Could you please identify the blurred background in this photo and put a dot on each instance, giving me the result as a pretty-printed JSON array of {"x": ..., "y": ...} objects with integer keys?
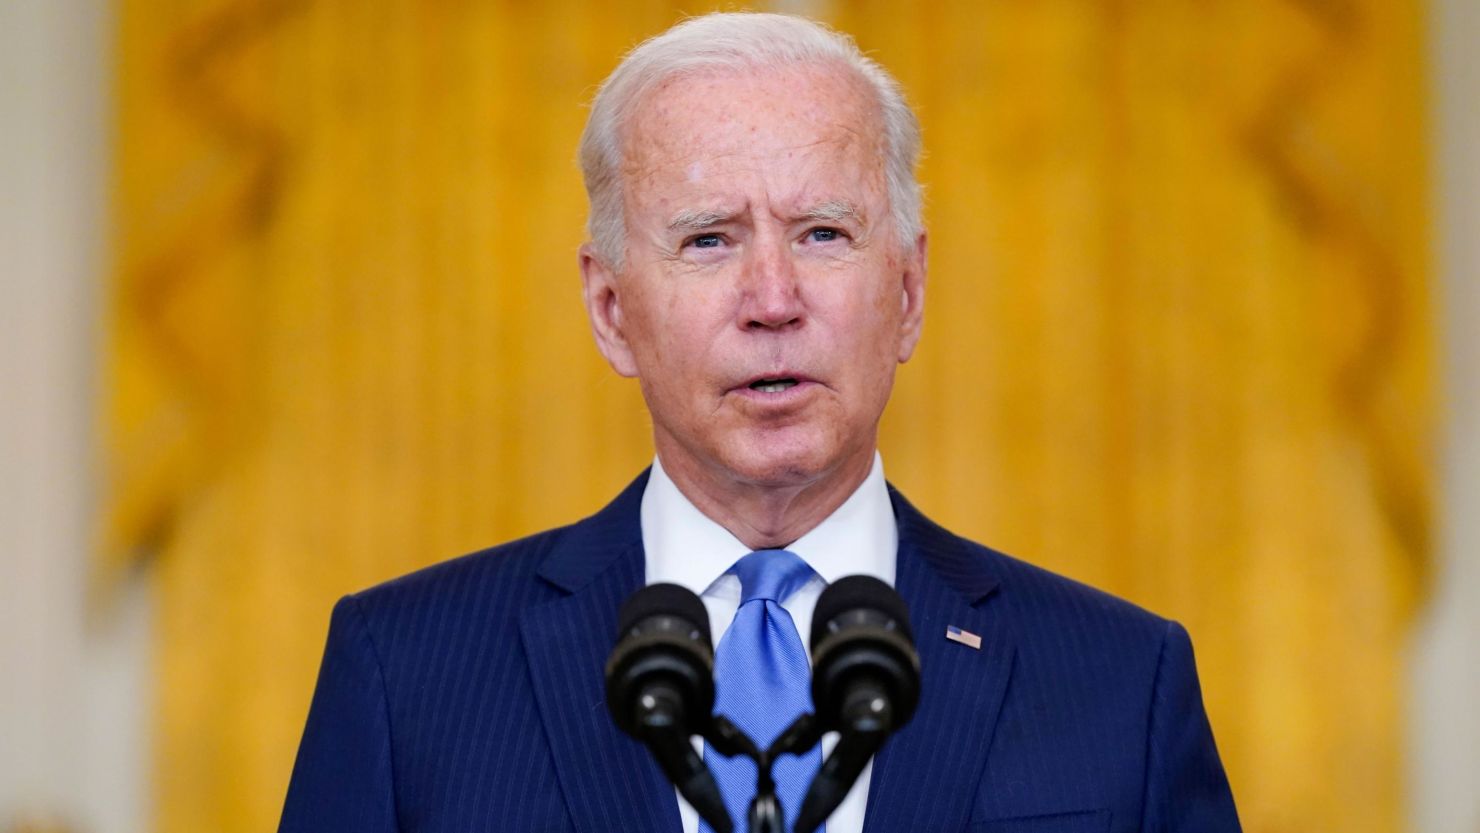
[{"x": 289, "y": 294}]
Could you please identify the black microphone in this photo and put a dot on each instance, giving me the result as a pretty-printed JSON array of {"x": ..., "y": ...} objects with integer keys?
[
  {"x": 865, "y": 683},
  {"x": 660, "y": 688}
]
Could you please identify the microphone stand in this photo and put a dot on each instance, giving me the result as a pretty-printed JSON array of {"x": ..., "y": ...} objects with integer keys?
[
  {"x": 729, "y": 740},
  {"x": 766, "y": 814},
  {"x": 867, "y": 720}
]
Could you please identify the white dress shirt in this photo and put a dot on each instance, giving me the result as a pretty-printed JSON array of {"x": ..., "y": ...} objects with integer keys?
[{"x": 685, "y": 547}]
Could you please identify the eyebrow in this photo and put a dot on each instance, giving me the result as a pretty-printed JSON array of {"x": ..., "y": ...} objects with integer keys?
[
  {"x": 695, "y": 219},
  {"x": 833, "y": 210}
]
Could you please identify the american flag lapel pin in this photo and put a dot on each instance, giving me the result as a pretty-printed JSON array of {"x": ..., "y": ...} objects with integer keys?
[{"x": 966, "y": 638}]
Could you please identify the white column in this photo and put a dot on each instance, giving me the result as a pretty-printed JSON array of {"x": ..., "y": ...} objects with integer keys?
[
  {"x": 1445, "y": 702},
  {"x": 73, "y": 694}
]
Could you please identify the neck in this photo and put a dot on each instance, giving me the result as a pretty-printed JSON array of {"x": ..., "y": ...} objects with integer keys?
[{"x": 767, "y": 515}]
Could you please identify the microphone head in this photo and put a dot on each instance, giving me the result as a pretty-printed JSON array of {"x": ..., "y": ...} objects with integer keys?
[
  {"x": 664, "y": 600},
  {"x": 663, "y": 649},
  {"x": 852, "y": 593},
  {"x": 861, "y": 642}
]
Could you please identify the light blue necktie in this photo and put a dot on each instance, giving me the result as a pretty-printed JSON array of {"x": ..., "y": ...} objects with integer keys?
[{"x": 762, "y": 683}]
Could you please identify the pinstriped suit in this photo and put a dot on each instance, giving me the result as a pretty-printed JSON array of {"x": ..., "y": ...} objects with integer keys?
[{"x": 468, "y": 697}]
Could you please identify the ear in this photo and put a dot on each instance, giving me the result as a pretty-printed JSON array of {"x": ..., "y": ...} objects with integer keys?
[
  {"x": 913, "y": 298},
  {"x": 604, "y": 307}
]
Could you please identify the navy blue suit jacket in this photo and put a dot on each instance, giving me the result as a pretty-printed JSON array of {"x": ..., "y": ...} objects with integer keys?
[{"x": 468, "y": 697}]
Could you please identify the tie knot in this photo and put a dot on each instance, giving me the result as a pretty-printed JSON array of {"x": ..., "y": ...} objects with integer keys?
[{"x": 772, "y": 575}]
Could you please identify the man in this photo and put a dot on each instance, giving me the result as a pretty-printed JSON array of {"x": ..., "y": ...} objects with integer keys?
[{"x": 757, "y": 263}]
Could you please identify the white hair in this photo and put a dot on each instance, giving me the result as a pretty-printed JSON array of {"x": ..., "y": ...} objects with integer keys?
[{"x": 735, "y": 41}]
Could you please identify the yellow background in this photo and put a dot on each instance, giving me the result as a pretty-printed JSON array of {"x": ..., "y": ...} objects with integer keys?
[{"x": 1177, "y": 339}]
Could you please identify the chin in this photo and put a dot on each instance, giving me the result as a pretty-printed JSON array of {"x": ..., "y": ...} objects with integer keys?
[{"x": 793, "y": 462}]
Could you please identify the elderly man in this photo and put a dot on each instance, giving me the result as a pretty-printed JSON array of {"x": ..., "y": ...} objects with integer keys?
[{"x": 757, "y": 263}]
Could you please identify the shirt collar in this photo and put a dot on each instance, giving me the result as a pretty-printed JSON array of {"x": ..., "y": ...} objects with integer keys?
[{"x": 685, "y": 547}]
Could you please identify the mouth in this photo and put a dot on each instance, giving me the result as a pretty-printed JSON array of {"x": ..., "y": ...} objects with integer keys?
[
  {"x": 774, "y": 385},
  {"x": 781, "y": 387}
]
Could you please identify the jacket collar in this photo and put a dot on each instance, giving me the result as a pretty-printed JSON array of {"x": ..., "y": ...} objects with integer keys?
[
  {"x": 592, "y": 546},
  {"x": 589, "y": 548},
  {"x": 948, "y": 556}
]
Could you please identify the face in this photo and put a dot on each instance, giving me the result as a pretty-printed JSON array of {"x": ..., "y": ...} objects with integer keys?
[{"x": 766, "y": 297}]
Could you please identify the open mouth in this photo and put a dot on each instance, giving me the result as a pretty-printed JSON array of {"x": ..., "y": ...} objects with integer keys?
[{"x": 772, "y": 385}]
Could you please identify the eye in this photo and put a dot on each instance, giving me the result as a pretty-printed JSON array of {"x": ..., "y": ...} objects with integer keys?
[
  {"x": 705, "y": 241},
  {"x": 824, "y": 235}
]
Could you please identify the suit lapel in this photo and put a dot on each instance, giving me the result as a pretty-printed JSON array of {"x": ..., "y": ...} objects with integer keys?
[
  {"x": 926, "y": 777},
  {"x": 610, "y": 781}
]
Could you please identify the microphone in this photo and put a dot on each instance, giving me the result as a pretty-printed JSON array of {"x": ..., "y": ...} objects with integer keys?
[
  {"x": 865, "y": 683},
  {"x": 660, "y": 688}
]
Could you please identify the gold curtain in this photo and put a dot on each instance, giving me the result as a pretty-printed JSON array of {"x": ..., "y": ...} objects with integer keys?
[{"x": 1177, "y": 338}]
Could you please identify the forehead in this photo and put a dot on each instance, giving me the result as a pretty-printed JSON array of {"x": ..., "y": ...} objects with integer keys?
[{"x": 694, "y": 127}]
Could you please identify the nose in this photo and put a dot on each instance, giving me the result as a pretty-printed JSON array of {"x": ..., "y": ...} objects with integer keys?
[{"x": 772, "y": 298}]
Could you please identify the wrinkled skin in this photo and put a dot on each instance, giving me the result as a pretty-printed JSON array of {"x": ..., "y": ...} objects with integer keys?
[{"x": 760, "y": 246}]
